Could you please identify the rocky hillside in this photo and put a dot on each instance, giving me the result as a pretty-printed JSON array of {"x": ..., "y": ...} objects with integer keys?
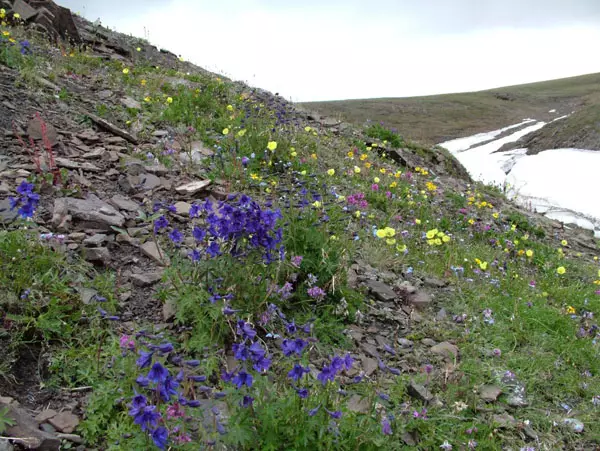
[{"x": 187, "y": 262}]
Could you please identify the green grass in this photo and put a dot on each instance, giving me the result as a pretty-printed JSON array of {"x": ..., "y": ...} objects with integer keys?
[{"x": 430, "y": 120}]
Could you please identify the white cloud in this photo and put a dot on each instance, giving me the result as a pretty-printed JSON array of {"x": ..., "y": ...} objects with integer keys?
[{"x": 326, "y": 52}]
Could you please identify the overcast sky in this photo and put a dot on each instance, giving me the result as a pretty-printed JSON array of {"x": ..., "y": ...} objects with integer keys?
[{"x": 332, "y": 49}]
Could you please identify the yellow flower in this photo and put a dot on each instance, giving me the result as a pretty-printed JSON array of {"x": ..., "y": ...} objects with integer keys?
[
  {"x": 341, "y": 198},
  {"x": 363, "y": 157},
  {"x": 225, "y": 131},
  {"x": 307, "y": 129},
  {"x": 401, "y": 248},
  {"x": 483, "y": 265},
  {"x": 374, "y": 144},
  {"x": 351, "y": 154},
  {"x": 513, "y": 227},
  {"x": 331, "y": 171},
  {"x": 495, "y": 215},
  {"x": 317, "y": 204},
  {"x": 393, "y": 185},
  {"x": 333, "y": 238},
  {"x": 398, "y": 174},
  {"x": 390, "y": 241},
  {"x": 382, "y": 170},
  {"x": 368, "y": 148},
  {"x": 6, "y": 33},
  {"x": 367, "y": 165},
  {"x": 126, "y": 71},
  {"x": 303, "y": 173},
  {"x": 169, "y": 99},
  {"x": 431, "y": 186},
  {"x": 386, "y": 232},
  {"x": 561, "y": 270},
  {"x": 272, "y": 145},
  {"x": 431, "y": 233},
  {"x": 139, "y": 49},
  {"x": 254, "y": 176},
  {"x": 376, "y": 180},
  {"x": 143, "y": 82},
  {"x": 294, "y": 154},
  {"x": 229, "y": 107},
  {"x": 471, "y": 221},
  {"x": 445, "y": 238},
  {"x": 16, "y": 15},
  {"x": 417, "y": 221},
  {"x": 242, "y": 132},
  {"x": 595, "y": 258},
  {"x": 564, "y": 242},
  {"x": 357, "y": 214},
  {"x": 570, "y": 310},
  {"x": 356, "y": 169},
  {"x": 529, "y": 253},
  {"x": 147, "y": 99}
]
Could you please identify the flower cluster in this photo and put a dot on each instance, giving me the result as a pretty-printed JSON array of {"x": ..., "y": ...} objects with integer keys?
[
  {"x": 436, "y": 237},
  {"x": 27, "y": 201}
]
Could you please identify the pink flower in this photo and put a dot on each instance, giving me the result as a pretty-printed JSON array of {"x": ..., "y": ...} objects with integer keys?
[
  {"x": 297, "y": 260},
  {"x": 125, "y": 342},
  {"x": 375, "y": 187}
]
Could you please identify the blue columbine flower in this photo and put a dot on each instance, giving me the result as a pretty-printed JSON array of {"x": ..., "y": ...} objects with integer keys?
[
  {"x": 198, "y": 233},
  {"x": 296, "y": 345},
  {"x": 245, "y": 330},
  {"x": 176, "y": 236},
  {"x": 243, "y": 378}
]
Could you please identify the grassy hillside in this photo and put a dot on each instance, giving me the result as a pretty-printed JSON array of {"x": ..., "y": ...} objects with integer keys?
[
  {"x": 434, "y": 119},
  {"x": 190, "y": 263}
]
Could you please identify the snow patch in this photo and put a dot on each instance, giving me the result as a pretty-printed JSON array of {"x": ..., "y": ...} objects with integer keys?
[
  {"x": 560, "y": 183},
  {"x": 552, "y": 111},
  {"x": 461, "y": 144}
]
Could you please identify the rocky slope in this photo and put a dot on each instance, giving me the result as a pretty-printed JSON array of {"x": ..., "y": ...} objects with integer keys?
[{"x": 104, "y": 132}]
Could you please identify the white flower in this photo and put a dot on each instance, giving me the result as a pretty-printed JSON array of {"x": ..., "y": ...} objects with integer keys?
[{"x": 446, "y": 446}]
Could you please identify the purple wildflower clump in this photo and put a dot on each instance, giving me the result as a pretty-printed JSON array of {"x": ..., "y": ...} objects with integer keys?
[
  {"x": 27, "y": 201},
  {"x": 316, "y": 293},
  {"x": 358, "y": 200}
]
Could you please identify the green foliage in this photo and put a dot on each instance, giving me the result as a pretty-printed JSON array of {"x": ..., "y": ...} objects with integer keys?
[
  {"x": 5, "y": 420},
  {"x": 378, "y": 131}
]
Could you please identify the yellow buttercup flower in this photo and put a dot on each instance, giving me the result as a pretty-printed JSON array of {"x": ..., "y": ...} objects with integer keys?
[
  {"x": 431, "y": 233},
  {"x": 570, "y": 310},
  {"x": 331, "y": 171},
  {"x": 564, "y": 242},
  {"x": 356, "y": 169},
  {"x": 363, "y": 157},
  {"x": 169, "y": 99},
  {"x": 242, "y": 132},
  {"x": 294, "y": 154},
  {"x": 390, "y": 241},
  {"x": 495, "y": 215},
  {"x": 303, "y": 173},
  {"x": 272, "y": 145},
  {"x": 529, "y": 253},
  {"x": 313, "y": 156},
  {"x": 317, "y": 204},
  {"x": 229, "y": 107},
  {"x": 483, "y": 265},
  {"x": 351, "y": 154},
  {"x": 382, "y": 170},
  {"x": 225, "y": 131},
  {"x": 147, "y": 99},
  {"x": 367, "y": 165},
  {"x": 16, "y": 15},
  {"x": 376, "y": 180},
  {"x": 357, "y": 214},
  {"x": 139, "y": 49},
  {"x": 143, "y": 82},
  {"x": 561, "y": 270},
  {"x": 126, "y": 71},
  {"x": 417, "y": 221},
  {"x": 307, "y": 129}
]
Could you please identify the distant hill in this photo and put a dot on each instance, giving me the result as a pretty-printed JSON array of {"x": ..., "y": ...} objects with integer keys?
[{"x": 434, "y": 119}]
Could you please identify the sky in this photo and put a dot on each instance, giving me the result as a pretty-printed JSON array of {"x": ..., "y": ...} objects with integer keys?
[{"x": 314, "y": 50}]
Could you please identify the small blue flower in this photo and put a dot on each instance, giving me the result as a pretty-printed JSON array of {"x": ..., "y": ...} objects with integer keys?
[
  {"x": 160, "y": 437},
  {"x": 158, "y": 373}
]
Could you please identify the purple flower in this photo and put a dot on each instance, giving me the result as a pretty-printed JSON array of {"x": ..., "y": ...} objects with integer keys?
[
  {"x": 158, "y": 373},
  {"x": 198, "y": 233},
  {"x": 213, "y": 249},
  {"x": 176, "y": 236},
  {"x": 316, "y": 293},
  {"x": 160, "y": 437},
  {"x": 147, "y": 418},
  {"x": 313, "y": 412},
  {"x": 293, "y": 346},
  {"x": 243, "y": 378},
  {"x": 336, "y": 415},
  {"x": 247, "y": 401},
  {"x": 297, "y": 372},
  {"x": 145, "y": 359},
  {"x": 245, "y": 161},
  {"x": 302, "y": 393},
  {"x": 245, "y": 330},
  {"x": 297, "y": 260},
  {"x": 386, "y": 427},
  {"x": 138, "y": 402},
  {"x": 326, "y": 374},
  {"x": 160, "y": 223},
  {"x": 348, "y": 361}
]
